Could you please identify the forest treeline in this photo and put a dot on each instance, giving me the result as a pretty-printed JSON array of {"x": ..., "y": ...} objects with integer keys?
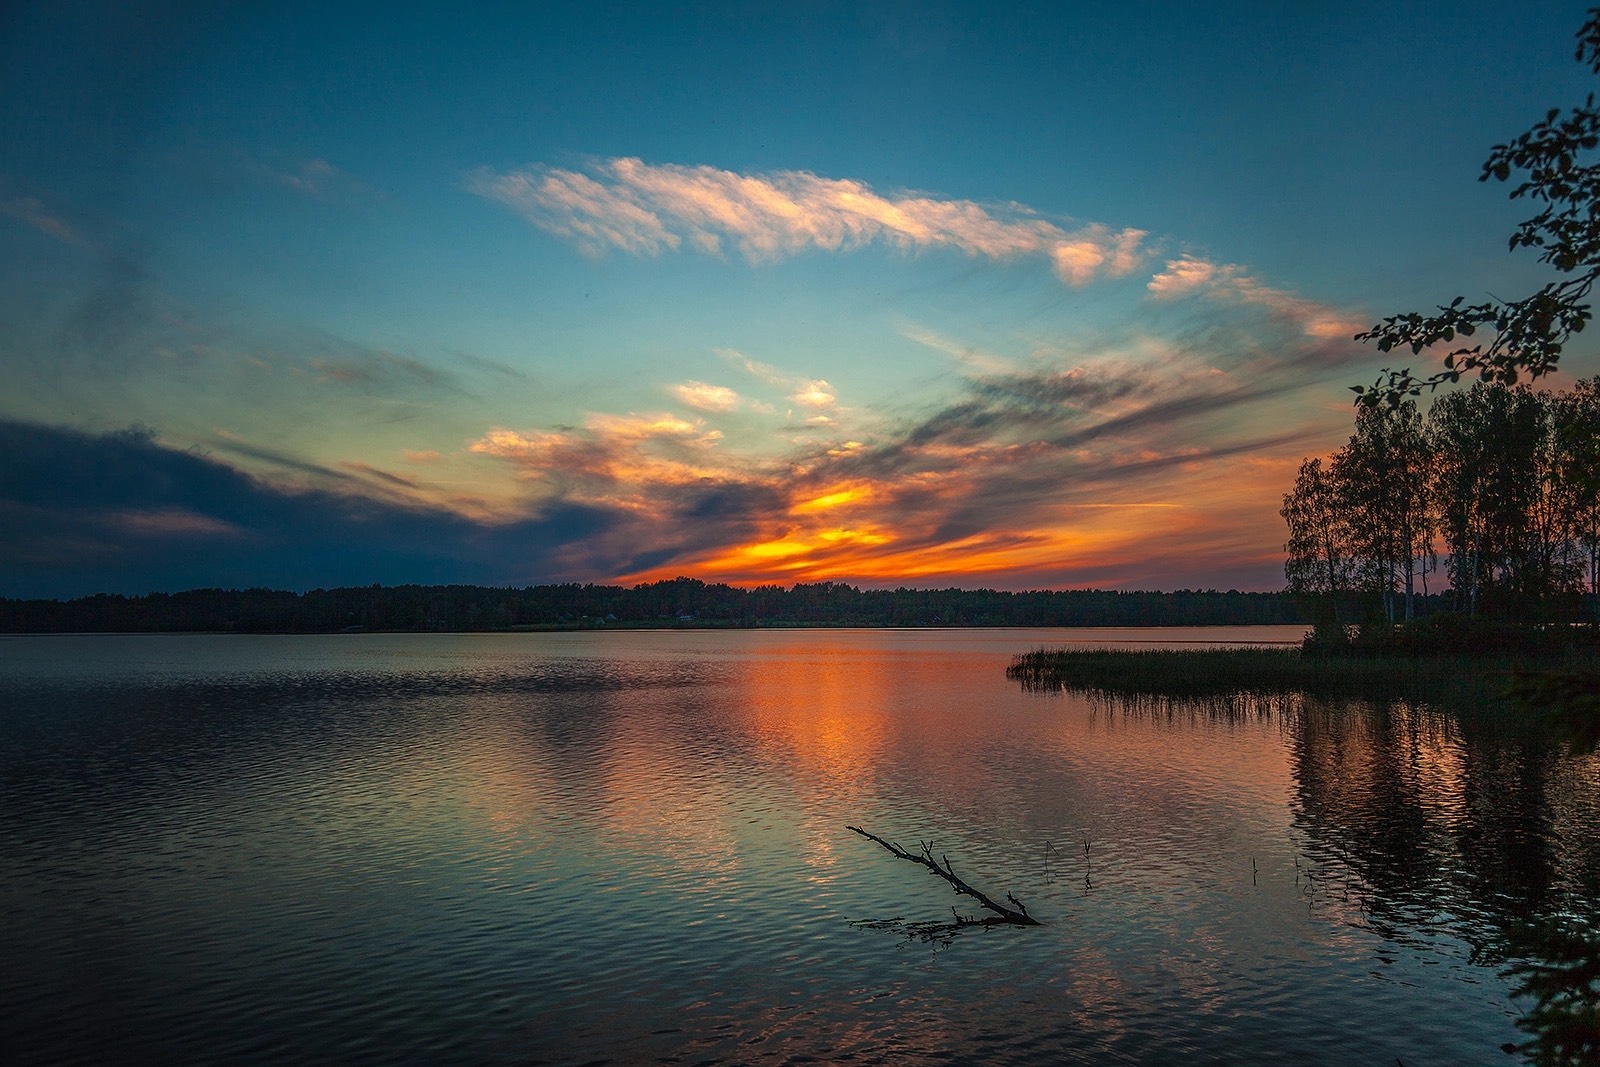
[
  {"x": 684, "y": 602},
  {"x": 1495, "y": 493}
]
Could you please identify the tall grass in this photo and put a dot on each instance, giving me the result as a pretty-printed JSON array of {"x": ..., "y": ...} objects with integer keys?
[{"x": 1226, "y": 672}]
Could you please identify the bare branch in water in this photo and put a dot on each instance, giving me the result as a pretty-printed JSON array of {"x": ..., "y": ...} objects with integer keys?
[{"x": 1002, "y": 914}]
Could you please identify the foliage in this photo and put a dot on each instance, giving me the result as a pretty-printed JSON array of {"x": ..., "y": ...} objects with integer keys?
[
  {"x": 1319, "y": 533},
  {"x": 1553, "y": 162},
  {"x": 1508, "y": 536},
  {"x": 1504, "y": 479},
  {"x": 1569, "y": 702},
  {"x": 1576, "y": 427},
  {"x": 1563, "y": 979},
  {"x": 1362, "y": 523},
  {"x": 1384, "y": 471},
  {"x": 1461, "y": 662}
]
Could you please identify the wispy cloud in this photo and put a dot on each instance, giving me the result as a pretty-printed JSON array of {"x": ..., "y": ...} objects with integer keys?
[
  {"x": 816, "y": 395},
  {"x": 1192, "y": 275},
  {"x": 488, "y": 366},
  {"x": 704, "y": 397},
  {"x": 1094, "y": 468},
  {"x": 1110, "y": 472},
  {"x": 667, "y": 486},
  {"x": 647, "y": 209},
  {"x": 975, "y": 359},
  {"x": 172, "y": 522},
  {"x": 1094, "y": 251},
  {"x": 34, "y": 212},
  {"x": 662, "y": 426},
  {"x": 611, "y": 458},
  {"x": 314, "y": 178},
  {"x": 291, "y": 473},
  {"x": 764, "y": 372},
  {"x": 374, "y": 370}
]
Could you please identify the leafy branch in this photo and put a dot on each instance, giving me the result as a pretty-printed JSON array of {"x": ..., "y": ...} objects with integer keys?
[{"x": 1526, "y": 336}]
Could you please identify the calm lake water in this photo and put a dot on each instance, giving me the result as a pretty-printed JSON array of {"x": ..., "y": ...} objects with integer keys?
[{"x": 631, "y": 847}]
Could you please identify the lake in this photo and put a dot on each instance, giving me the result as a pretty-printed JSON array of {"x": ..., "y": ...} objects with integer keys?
[{"x": 632, "y": 847}]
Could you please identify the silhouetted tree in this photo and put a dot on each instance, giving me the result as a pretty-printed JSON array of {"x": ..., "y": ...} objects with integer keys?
[
  {"x": 1320, "y": 551},
  {"x": 1500, "y": 511},
  {"x": 1384, "y": 478},
  {"x": 1506, "y": 478},
  {"x": 675, "y": 602},
  {"x": 1576, "y": 429}
]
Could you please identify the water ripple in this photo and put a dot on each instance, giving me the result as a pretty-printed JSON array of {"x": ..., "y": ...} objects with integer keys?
[{"x": 539, "y": 849}]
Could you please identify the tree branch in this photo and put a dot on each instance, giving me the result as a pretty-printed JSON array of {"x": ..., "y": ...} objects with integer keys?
[
  {"x": 1526, "y": 337},
  {"x": 1002, "y": 914}
]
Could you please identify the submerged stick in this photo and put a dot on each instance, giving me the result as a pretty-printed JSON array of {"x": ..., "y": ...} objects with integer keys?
[{"x": 1002, "y": 914}]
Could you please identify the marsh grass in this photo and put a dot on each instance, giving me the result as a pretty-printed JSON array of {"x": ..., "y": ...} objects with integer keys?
[{"x": 1250, "y": 677}]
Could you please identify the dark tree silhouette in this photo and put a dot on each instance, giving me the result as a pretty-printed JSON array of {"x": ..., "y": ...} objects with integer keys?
[
  {"x": 1577, "y": 471},
  {"x": 1506, "y": 478},
  {"x": 1385, "y": 470},
  {"x": 1319, "y": 564},
  {"x": 677, "y": 602},
  {"x": 1554, "y": 162}
]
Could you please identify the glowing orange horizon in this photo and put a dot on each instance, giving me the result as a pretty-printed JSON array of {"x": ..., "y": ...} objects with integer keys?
[{"x": 1214, "y": 514}]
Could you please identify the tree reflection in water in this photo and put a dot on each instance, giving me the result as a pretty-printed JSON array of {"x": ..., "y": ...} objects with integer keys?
[{"x": 1468, "y": 824}]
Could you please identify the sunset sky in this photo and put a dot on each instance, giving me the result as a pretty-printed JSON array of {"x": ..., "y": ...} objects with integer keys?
[{"x": 1019, "y": 296}]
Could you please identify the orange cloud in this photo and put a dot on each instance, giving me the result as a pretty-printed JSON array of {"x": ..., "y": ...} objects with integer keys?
[
  {"x": 1183, "y": 276},
  {"x": 613, "y": 459},
  {"x": 938, "y": 517},
  {"x": 703, "y": 397},
  {"x": 640, "y": 427},
  {"x": 816, "y": 393},
  {"x": 165, "y": 522},
  {"x": 646, "y": 209},
  {"x": 834, "y": 498},
  {"x": 1097, "y": 473},
  {"x": 1190, "y": 275},
  {"x": 1096, "y": 250}
]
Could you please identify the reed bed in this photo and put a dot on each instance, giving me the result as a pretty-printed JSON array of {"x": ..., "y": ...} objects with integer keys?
[{"x": 1262, "y": 672}]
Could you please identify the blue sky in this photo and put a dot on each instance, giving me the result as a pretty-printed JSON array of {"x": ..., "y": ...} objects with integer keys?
[{"x": 1008, "y": 295}]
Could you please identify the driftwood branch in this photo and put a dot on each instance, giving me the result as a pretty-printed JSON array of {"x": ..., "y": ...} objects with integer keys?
[{"x": 941, "y": 867}]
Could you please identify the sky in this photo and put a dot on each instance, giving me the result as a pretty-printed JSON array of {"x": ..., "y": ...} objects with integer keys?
[{"x": 1017, "y": 296}]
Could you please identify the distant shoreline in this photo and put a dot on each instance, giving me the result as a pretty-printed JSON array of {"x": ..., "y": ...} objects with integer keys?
[
  {"x": 678, "y": 604},
  {"x": 622, "y": 627}
]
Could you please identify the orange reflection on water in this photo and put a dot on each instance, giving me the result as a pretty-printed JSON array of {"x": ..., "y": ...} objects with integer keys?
[
  {"x": 816, "y": 710},
  {"x": 671, "y": 800}
]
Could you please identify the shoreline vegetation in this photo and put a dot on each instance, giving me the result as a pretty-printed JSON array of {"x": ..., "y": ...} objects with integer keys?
[
  {"x": 1453, "y": 662},
  {"x": 685, "y": 603},
  {"x": 1219, "y": 672}
]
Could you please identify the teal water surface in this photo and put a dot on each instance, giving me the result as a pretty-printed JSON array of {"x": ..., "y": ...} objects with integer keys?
[{"x": 631, "y": 847}]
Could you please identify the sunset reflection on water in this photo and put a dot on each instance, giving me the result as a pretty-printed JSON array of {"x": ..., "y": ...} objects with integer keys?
[{"x": 633, "y": 845}]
